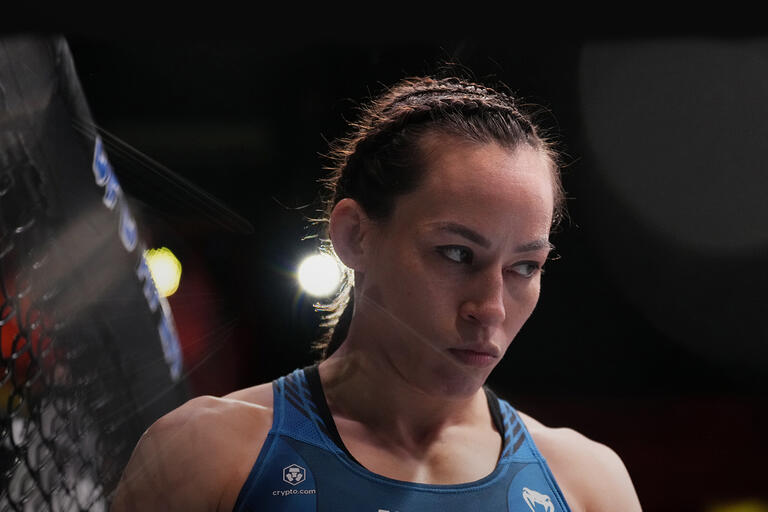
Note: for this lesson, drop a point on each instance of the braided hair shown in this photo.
(381, 158)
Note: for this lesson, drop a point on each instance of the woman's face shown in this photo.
(453, 274)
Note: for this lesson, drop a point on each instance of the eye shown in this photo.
(527, 268)
(456, 253)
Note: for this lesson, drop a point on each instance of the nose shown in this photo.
(484, 303)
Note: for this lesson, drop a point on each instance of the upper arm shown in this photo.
(611, 487)
(195, 458)
(175, 464)
(591, 474)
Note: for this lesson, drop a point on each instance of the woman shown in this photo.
(441, 203)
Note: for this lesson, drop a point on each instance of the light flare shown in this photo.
(319, 275)
(165, 269)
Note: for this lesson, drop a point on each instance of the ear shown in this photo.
(349, 229)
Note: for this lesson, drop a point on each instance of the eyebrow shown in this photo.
(474, 236)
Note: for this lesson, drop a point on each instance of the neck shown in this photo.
(361, 388)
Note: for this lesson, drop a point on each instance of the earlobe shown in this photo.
(348, 229)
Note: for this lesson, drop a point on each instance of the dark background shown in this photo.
(649, 337)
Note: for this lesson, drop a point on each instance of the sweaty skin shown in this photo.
(442, 288)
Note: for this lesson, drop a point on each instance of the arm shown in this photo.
(157, 476)
(592, 476)
(616, 477)
(195, 458)
(605, 483)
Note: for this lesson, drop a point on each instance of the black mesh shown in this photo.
(83, 368)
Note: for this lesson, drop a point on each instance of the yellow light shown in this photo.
(165, 270)
(740, 506)
(319, 275)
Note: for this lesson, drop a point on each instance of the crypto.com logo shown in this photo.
(294, 474)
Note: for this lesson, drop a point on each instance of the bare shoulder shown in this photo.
(196, 457)
(591, 475)
(258, 395)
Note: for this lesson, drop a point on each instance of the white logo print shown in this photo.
(532, 498)
(294, 474)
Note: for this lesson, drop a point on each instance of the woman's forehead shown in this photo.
(463, 171)
(484, 186)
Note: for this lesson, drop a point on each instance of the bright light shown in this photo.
(165, 270)
(319, 275)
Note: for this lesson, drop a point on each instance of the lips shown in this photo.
(474, 357)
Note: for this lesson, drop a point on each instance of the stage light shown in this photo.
(740, 506)
(319, 275)
(165, 269)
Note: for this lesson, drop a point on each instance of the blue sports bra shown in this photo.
(303, 466)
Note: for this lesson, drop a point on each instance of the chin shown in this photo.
(458, 383)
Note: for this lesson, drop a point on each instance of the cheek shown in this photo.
(421, 298)
(400, 284)
(523, 301)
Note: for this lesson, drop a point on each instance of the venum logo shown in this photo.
(533, 498)
(294, 474)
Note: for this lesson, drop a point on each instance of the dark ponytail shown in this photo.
(339, 331)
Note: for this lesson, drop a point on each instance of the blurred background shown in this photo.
(651, 333)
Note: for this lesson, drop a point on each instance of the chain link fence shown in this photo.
(89, 356)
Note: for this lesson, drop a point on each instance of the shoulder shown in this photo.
(196, 457)
(209, 419)
(591, 475)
